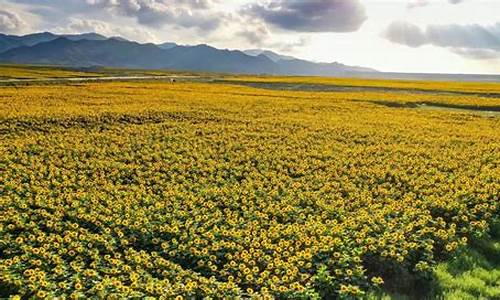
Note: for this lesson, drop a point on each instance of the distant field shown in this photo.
(217, 189)
(39, 72)
(26, 72)
(412, 85)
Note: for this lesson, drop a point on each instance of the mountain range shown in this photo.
(91, 50)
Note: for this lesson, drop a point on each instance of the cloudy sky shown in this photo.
(438, 36)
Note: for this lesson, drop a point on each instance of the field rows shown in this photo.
(211, 190)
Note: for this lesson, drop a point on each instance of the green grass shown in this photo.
(473, 274)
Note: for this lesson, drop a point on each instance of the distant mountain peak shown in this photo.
(206, 46)
(167, 45)
(270, 54)
(119, 38)
(85, 36)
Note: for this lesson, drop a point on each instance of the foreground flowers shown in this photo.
(195, 190)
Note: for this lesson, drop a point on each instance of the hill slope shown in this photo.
(8, 42)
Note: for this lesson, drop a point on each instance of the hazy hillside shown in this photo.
(272, 55)
(304, 67)
(204, 57)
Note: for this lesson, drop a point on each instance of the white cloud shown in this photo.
(417, 3)
(471, 40)
(11, 22)
(256, 35)
(479, 54)
(77, 25)
(405, 33)
(225, 24)
(422, 3)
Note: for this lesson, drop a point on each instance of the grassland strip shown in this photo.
(308, 87)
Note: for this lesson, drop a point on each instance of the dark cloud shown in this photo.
(10, 22)
(155, 13)
(473, 41)
(311, 15)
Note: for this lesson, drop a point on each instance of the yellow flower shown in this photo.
(343, 289)
(41, 294)
(124, 185)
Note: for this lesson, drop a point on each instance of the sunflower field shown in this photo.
(151, 190)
